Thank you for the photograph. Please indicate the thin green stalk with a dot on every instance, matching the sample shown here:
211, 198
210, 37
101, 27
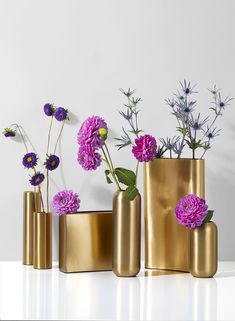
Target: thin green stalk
111, 169
47, 191
136, 172
58, 138
39, 189
22, 136
49, 135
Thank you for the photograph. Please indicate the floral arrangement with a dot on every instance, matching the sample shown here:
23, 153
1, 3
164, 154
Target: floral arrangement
92, 138
196, 132
192, 211
30, 160
66, 202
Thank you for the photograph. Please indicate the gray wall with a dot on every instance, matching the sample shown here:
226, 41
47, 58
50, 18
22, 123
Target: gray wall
77, 54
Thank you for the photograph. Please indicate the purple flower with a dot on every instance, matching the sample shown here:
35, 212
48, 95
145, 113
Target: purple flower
37, 179
88, 158
145, 148
89, 132
8, 132
61, 113
191, 211
48, 109
30, 160
66, 202
52, 162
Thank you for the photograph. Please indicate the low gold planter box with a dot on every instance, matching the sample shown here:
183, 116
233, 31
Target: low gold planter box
85, 242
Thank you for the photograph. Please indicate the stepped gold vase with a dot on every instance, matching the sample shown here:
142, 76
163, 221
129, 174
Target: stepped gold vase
42, 240
165, 182
85, 241
126, 235
203, 250
31, 203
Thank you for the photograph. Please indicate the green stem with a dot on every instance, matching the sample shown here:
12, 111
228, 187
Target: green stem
47, 191
49, 135
111, 168
136, 172
58, 138
22, 136
39, 189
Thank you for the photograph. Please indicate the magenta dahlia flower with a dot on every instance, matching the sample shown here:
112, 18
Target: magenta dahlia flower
89, 132
145, 148
88, 158
66, 202
191, 211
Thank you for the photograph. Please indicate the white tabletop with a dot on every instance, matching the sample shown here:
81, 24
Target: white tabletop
26, 293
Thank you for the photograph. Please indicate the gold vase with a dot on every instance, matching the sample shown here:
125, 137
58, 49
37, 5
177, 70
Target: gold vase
85, 242
165, 182
42, 240
203, 250
31, 203
126, 235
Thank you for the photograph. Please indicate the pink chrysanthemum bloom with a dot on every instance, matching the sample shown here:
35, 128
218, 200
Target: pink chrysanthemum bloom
145, 148
89, 132
88, 158
191, 211
66, 202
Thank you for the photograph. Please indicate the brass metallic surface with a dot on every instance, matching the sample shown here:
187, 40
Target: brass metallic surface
126, 235
85, 241
203, 250
42, 240
165, 182
31, 201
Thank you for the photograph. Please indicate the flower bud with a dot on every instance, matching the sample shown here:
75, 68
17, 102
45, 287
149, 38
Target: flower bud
103, 133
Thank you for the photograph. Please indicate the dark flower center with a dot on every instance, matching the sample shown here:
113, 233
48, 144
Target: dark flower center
210, 135
187, 91
221, 104
53, 163
187, 110
37, 180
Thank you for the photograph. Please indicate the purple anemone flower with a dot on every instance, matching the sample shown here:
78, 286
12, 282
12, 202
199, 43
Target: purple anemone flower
145, 148
37, 179
191, 211
66, 202
8, 132
61, 114
52, 162
30, 160
48, 109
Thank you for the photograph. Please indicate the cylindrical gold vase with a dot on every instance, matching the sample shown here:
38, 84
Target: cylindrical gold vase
42, 240
31, 203
126, 235
165, 182
203, 250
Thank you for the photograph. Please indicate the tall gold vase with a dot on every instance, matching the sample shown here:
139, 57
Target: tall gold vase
165, 182
31, 203
42, 240
126, 235
203, 250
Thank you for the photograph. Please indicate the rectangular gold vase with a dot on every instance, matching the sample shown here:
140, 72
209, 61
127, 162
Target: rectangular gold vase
165, 182
85, 241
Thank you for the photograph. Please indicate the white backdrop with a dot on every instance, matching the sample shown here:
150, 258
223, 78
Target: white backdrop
77, 54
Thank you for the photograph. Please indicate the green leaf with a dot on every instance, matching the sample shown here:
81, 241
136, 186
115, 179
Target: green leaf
107, 172
131, 192
125, 176
182, 130
209, 216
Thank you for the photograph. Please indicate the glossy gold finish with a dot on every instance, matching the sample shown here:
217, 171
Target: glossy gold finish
126, 235
31, 201
165, 182
203, 250
85, 242
42, 240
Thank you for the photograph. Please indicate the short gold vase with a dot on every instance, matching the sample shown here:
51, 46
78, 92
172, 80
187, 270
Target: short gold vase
31, 203
203, 250
165, 182
42, 240
126, 235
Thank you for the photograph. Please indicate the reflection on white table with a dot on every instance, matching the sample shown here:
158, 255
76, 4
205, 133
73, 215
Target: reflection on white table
27, 294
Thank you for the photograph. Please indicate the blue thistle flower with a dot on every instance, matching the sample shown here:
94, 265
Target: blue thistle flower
212, 133
187, 89
196, 123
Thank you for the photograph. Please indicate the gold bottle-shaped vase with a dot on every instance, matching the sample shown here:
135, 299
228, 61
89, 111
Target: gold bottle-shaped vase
165, 182
31, 203
42, 240
203, 250
126, 235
